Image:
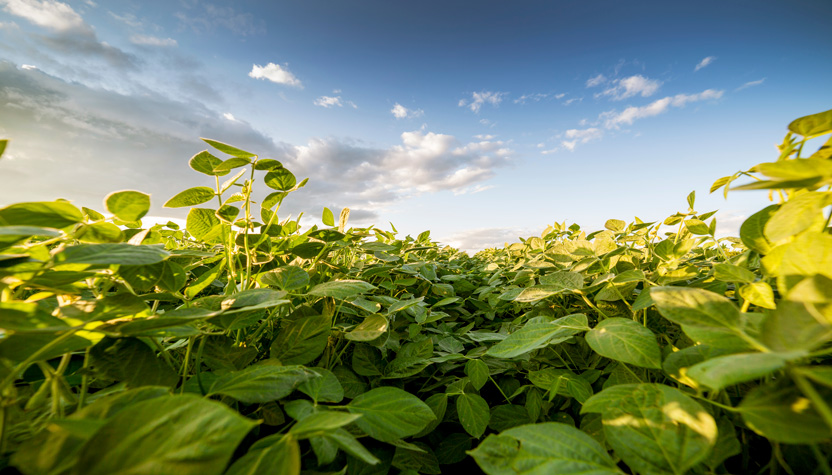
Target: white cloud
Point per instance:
(580, 136)
(483, 97)
(484, 137)
(613, 119)
(631, 86)
(49, 14)
(328, 101)
(560, 96)
(128, 19)
(352, 104)
(750, 84)
(209, 17)
(230, 116)
(473, 190)
(706, 61)
(574, 99)
(28, 66)
(474, 240)
(152, 41)
(596, 81)
(401, 112)
(535, 97)
(276, 74)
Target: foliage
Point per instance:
(242, 344)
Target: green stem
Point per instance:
(198, 363)
(85, 379)
(594, 307)
(499, 389)
(21, 367)
(823, 463)
(185, 363)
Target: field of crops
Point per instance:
(243, 344)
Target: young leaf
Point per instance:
(812, 125)
(128, 205)
(327, 388)
(536, 334)
(624, 340)
(230, 150)
(301, 341)
(390, 413)
(473, 413)
(477, 372)
(797, 215)
(328, 218)
(280, 179)
(341, 289)
(200, 222)
(191, 197)
(321, 423)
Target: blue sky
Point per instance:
(482, 121)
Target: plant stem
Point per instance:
(85, 380)
(807, 389)
(21, 367)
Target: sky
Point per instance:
(481, 121)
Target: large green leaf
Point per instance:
(624, 340)
(538, 334)
(301, 341)
(654, 428)
(808, 255)
(797, 215)
(695, 307)
(796, 327)
(477, 372)
(286, 278)
(321, 423)
(166, 435)
(131, 361)
(204, 162)
(546, 448)
(473, 413)
(200, 222)
(326, 388)
(280, 179)
(128, 205)
(371, 328)
(275, 454)
(341, 289)
(112, 253)
(732, 273)
(390, 413)
(261, 383)
(49, 214)
(191, 197)
(717, 373)
(784, 415)
(751, 230)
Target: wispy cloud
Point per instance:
(750, 84)
(705, 61)
(483, 97)
(631, 86)
(333, 101)
(401, 112)
(276, 74)
(28, 67)
(536, 97)
(575, 136)
(207, 17)
(596, 80)
(573, 100)
(614, 119)
(146, 40)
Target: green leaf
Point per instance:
(371, 328)
(191, 197)
(654, 428)
(275, 454)
(813, 125)
(549, 447)
(695, 307)
(784, 415)
(261, 383)
(200, 222)
(328, 218)
(326, 388)
(131, 361)
(108, 254)
(538, 334)
(280, 180)
(797, 215)
(286, 278)
(128, 205)
(228, 213)
(717, 373)
(230, 150)
(759, 294)
(563, 280)
(473, 413)
(341, 289)
(696, 226)
(267, 164)
(810, 254)
(204, 280)
(615, 225)
(155, 436)
(232, 163)
(50, 214)
(390, 413)
(204, 162)
(301, 341)
(99, 233)
(624, 340)
(751, 230)
(732, 273)
(477, 372)
(795, 327)
(320, 423)
(3, 144)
